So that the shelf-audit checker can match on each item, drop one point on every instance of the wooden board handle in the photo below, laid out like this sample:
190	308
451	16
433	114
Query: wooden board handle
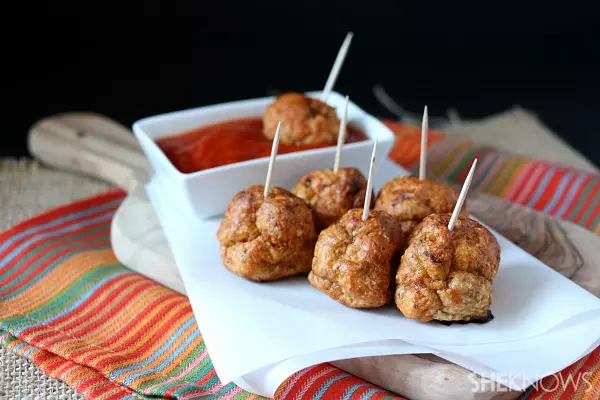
90	144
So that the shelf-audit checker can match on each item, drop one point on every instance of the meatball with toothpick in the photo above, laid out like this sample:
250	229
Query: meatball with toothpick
265	239
410	199
353	259
304	120
447	275
447	270
331	194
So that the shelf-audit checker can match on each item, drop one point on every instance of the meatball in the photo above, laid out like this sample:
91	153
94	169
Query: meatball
352	262
267	239
331	195
410	200
304	120
447	275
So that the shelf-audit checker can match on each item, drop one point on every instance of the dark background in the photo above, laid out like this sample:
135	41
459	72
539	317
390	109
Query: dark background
130	60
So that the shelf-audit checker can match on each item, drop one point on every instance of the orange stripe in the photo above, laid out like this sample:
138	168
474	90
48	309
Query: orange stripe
93	308
149	347
505	190
55	281
129	328
159	360
61	253
89	318
146	341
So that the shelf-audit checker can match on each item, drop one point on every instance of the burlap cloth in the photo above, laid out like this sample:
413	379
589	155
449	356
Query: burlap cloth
27	188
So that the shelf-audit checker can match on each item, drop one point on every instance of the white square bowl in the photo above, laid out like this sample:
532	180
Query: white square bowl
209	191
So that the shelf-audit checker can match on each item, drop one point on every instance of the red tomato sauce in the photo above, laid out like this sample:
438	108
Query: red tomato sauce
227	143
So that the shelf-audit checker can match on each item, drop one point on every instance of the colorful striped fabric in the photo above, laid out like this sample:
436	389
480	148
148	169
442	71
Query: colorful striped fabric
70	307
563	192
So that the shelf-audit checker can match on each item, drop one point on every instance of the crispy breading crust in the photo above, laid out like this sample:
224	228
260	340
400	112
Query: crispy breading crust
447	275
265	240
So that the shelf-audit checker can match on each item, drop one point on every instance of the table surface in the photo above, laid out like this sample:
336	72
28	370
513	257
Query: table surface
27	188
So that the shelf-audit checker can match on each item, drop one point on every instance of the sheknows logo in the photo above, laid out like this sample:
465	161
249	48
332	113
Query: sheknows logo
561	382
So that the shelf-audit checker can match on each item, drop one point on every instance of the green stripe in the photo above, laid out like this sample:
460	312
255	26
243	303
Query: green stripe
595	222
447	160
511	165
486	172
242	395
8	339
594	201
581	200
184	363
464	163
63	299
205	386
38	249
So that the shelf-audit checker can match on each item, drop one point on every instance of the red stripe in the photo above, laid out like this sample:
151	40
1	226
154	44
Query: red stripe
59	212
550	190
60	239
111	286
360	392
109	385
60	371
575	200
587	202
337	389
316	385
92	378
588	222
533	182
102	362
63	252
54	363
40	253
563	195
88	355
462	175
40	357
308	373
77	353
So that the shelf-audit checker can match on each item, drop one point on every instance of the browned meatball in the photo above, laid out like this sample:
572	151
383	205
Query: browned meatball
447	275
264	240
410	200
304	120
331	195
352	262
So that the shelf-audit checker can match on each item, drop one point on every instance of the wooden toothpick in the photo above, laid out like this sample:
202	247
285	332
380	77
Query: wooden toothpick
462	197
423	159
274	148
365	214
337	66
341	137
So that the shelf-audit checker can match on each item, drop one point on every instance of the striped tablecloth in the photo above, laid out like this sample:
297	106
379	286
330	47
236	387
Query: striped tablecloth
69	306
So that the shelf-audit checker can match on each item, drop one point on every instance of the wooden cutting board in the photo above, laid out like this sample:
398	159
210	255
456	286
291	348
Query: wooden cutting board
101	148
